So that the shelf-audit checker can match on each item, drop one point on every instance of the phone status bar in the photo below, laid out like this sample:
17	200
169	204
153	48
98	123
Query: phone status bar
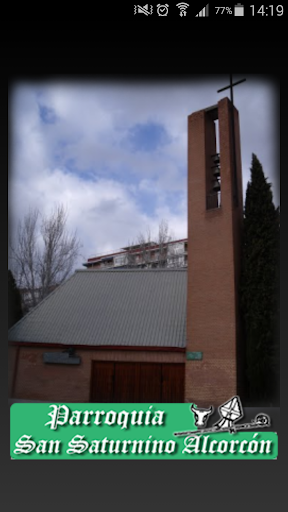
183	10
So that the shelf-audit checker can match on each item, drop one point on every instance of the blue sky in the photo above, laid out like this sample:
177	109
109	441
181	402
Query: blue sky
115	153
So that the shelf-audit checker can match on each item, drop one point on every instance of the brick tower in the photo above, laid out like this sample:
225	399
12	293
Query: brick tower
215	209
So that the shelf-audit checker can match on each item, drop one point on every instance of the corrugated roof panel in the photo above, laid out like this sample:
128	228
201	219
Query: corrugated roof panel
113	307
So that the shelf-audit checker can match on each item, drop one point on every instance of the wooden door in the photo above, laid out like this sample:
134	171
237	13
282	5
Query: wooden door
150	383
173	383
131	382
126	382
102	381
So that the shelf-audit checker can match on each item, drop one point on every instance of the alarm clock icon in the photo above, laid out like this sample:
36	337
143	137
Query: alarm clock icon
162	9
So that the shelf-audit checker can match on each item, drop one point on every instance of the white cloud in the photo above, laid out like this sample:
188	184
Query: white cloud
81	161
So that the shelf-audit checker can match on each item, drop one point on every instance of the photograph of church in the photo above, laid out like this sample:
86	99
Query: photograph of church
151	334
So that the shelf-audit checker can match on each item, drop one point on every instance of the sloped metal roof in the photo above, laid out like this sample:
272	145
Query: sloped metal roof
114	307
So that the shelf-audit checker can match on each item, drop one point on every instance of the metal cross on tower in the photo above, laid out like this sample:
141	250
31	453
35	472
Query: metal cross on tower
230	86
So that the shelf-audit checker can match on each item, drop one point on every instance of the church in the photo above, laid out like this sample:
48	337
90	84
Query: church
150	335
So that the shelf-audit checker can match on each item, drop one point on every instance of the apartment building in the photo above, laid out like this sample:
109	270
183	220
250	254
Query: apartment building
149	255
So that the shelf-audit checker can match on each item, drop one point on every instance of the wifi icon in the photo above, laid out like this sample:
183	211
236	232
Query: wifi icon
182	6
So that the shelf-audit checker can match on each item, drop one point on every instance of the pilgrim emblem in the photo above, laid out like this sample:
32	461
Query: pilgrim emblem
230	412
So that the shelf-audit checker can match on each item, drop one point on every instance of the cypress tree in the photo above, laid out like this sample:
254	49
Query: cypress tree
14	301
260	289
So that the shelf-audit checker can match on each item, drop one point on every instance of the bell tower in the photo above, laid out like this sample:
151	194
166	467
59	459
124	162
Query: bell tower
215	210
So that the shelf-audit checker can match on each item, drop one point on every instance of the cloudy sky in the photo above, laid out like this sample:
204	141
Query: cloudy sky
115	153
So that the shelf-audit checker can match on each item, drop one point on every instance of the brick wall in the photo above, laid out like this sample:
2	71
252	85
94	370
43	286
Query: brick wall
212	316
35	380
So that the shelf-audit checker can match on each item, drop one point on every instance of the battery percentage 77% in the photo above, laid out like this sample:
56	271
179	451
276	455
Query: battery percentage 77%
223	10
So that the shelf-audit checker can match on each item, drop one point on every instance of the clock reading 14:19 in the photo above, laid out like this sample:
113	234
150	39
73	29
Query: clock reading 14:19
268	10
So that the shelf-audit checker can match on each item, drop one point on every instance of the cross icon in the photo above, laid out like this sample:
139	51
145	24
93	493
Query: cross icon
230	86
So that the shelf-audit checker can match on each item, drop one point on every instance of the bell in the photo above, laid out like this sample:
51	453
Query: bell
216	186
216	173
216	159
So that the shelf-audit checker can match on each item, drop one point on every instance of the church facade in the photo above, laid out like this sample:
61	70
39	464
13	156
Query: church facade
170	335
104	336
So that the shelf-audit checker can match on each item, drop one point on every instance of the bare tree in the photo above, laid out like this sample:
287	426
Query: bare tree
139	252
154	251
130	255
164	237
144	241
44	255
25	256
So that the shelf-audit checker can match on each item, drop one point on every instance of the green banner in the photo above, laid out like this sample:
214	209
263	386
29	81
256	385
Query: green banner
126	431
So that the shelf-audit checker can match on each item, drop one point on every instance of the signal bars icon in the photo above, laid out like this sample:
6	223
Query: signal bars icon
204	12
182	6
